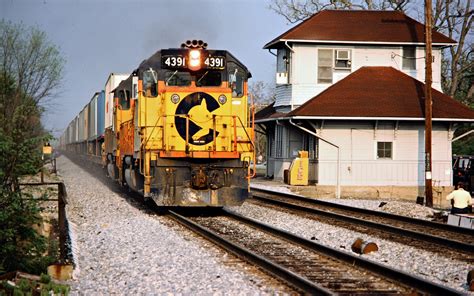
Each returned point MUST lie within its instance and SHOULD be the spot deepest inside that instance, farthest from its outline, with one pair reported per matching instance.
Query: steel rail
(440, 226)
(388, 228)
(398, 276)
(276, 270)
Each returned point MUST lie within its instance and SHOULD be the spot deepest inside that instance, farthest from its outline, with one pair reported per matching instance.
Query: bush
(22, 247)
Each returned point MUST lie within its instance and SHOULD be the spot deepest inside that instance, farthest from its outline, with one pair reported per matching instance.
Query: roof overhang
(269, 45)
(364, 118)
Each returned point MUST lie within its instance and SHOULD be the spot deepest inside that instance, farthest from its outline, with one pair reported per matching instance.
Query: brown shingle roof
(360, 26)
(380, 92)
(268, 112)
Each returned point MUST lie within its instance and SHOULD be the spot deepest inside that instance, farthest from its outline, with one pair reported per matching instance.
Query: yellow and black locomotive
(182, 132)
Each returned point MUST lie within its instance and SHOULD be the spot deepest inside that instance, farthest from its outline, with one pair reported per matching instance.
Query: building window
(283, 66)
(384, 149)
(409, 58)
(271, 142)
(279, 141)
(310, 145)
(281, 145)
(325, 61)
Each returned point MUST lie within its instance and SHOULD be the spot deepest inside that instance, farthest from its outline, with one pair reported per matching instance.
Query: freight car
(180, 128)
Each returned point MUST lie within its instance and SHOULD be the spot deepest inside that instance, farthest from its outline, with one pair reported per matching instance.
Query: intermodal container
(92, 118)
(112, 82)
(82, 125)
(100, 114)
(76, 129)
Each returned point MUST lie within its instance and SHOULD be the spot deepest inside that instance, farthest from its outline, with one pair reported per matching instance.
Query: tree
(453, 18)
(21, 134)
(263, 94)
(30, 73)
(297, 10)
(32, 61)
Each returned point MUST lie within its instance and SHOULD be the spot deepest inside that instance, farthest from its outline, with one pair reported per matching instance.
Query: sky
(98, 37)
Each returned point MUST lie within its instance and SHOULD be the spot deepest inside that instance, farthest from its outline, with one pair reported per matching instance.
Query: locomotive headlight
(222, 99)
(175, 98)
(195, 59)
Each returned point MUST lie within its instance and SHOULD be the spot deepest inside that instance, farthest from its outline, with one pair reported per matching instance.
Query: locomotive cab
(182, 124)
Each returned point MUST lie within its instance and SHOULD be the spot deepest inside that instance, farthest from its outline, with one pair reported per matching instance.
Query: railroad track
(459, 240)
(306, 265)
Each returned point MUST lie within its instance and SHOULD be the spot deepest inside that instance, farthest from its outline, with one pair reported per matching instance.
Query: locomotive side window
(150, 79)
(124, 99)
(236, 80)
(209, 78)
(177, 78)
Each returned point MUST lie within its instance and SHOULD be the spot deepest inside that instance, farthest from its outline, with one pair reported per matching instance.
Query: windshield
(178, 78)
(184, 78)
(209, 78)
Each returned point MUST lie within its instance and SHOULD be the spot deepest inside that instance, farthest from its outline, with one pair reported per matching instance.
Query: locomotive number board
(179, 59)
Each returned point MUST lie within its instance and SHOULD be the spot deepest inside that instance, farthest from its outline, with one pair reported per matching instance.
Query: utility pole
(428, 105)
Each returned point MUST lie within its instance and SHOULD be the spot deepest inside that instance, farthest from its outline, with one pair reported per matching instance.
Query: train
(178, 129)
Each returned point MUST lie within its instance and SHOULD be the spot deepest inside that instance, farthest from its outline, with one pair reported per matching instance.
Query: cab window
(177, 78)
(150, 79)
(236, 80)
(209, 78)
(124, 99)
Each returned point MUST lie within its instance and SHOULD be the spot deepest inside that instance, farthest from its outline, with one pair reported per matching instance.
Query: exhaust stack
(194, 44)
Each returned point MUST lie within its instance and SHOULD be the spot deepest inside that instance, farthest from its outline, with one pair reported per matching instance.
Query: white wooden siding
(359, 165)
(283, 95)
(304, 69)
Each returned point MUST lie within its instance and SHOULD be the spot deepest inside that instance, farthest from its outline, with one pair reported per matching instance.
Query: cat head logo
(199, 106)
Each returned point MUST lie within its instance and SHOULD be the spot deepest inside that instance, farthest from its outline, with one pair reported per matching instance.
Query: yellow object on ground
(299, 169)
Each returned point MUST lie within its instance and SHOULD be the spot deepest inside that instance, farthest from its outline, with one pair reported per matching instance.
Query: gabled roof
(359, 26)
(381, 92)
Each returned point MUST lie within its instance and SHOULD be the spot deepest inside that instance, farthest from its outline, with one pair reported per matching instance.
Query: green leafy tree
(30, 72)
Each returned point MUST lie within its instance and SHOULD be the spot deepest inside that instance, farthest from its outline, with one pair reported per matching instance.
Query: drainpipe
(338, 177)
(289, 65)
(270, 51)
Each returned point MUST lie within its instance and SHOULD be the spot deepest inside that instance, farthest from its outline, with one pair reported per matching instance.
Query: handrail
(186, 116)
(252, 110)
(147, 138)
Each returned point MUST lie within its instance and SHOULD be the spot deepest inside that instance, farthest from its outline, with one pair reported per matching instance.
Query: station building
(350, 92)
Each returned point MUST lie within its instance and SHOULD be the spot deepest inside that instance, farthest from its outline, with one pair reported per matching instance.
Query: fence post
(62, 195)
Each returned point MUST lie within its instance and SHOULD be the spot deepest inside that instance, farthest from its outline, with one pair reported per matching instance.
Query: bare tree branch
(33, 62)
(453, 18)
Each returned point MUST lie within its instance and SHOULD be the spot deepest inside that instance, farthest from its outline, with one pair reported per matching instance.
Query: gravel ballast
(121, 247)
(429, 265)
